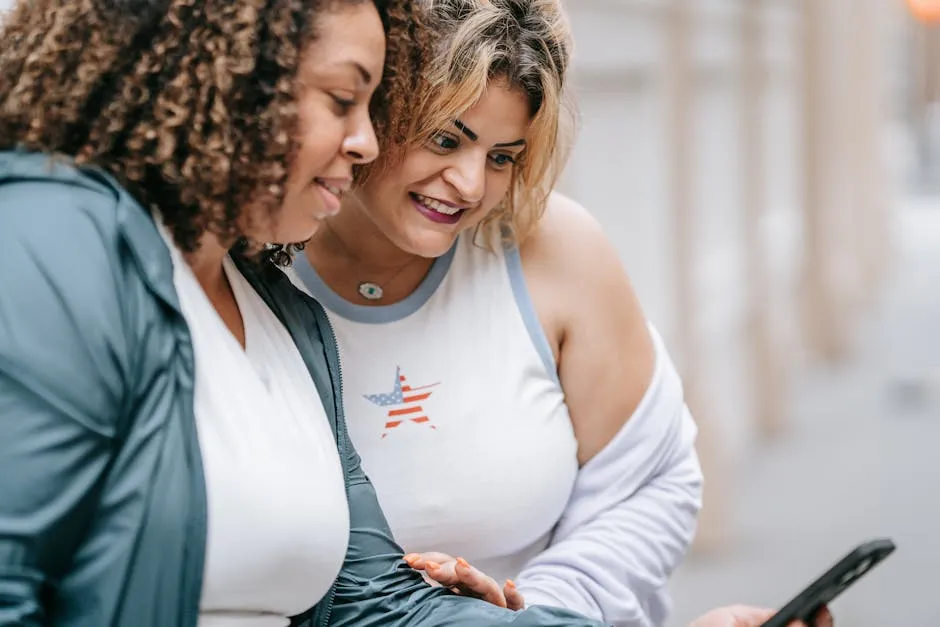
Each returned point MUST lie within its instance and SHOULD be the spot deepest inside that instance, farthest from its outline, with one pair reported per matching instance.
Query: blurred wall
(735, 151)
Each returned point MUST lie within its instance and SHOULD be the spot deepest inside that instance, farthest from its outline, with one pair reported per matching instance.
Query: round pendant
(371, 291)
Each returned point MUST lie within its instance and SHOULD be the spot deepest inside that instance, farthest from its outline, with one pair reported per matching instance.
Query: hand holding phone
(848, 570)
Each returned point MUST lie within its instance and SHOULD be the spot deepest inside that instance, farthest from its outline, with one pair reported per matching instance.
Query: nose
(467, 175)
(361, 145)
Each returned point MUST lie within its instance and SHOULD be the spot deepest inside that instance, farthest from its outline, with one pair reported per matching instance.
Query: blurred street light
(925, 10)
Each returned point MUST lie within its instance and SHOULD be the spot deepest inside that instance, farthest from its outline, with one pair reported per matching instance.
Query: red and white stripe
(410, 408)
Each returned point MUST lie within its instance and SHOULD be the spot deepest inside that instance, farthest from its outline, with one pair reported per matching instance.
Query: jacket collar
(135, 224)
(148, 249)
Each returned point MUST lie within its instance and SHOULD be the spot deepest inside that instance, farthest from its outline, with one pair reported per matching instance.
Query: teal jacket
(102, 494)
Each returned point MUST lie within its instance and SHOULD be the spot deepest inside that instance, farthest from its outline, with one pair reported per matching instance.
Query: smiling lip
(331, 190)
(436, 216)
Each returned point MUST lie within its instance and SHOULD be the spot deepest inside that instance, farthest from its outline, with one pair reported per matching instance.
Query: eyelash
(510, 161)
(343, 104)
(500, 161)
(439, 138)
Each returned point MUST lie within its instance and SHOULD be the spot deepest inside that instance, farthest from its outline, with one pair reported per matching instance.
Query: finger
(436, 556)
(444, 574)
(479, 584)
(415, 561)
(824, 618)
(746, 615)
(514, 599)
(418, 560)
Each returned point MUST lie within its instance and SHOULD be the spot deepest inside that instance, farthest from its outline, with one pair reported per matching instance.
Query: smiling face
(452, 182)
(337, 76)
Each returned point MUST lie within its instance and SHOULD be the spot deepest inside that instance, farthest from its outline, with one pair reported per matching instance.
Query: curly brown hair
(188, 103)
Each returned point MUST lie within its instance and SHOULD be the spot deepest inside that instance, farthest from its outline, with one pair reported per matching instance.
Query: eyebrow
(466, 131)
(463, 128)
(363, 72)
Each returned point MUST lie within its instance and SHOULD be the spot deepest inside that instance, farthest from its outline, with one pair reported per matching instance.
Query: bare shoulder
(570, 253)
(567, 235)
(593, 318)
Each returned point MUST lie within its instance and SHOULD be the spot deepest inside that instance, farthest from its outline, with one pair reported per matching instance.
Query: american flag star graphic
(403, 403)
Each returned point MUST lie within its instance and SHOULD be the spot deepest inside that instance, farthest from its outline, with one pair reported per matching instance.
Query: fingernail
(511, 583)
(463, 562)
(432, 565)
(410, 557)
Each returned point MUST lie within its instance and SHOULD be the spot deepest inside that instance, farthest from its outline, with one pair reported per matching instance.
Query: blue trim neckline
(378, 314)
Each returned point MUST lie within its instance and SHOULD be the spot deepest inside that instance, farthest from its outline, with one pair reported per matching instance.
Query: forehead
(347, 35)
(501, 115)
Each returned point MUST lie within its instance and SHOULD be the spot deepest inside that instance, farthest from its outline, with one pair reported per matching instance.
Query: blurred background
(769, 171)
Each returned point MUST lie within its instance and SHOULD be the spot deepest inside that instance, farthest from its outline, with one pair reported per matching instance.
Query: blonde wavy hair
(527, 44)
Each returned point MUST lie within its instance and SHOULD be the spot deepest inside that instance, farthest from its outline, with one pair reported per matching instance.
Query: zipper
(333, 361)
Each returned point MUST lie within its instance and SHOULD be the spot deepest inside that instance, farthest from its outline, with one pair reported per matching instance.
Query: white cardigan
(631, 518)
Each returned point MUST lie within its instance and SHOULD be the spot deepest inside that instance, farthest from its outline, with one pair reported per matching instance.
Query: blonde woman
(511, 402)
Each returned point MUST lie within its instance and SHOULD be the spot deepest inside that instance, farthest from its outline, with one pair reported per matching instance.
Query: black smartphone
(821, 592)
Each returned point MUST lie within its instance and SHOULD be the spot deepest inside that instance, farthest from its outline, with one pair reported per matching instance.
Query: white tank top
(278, 519)
(453, 401)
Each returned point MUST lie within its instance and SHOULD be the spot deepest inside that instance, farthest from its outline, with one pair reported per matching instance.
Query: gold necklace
(370, 290)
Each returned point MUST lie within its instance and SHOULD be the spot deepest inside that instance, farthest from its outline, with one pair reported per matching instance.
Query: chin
(431, 245)
(312, 230)
(298, 232)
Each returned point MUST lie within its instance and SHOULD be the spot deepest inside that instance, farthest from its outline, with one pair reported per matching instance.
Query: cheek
(497, 188)
(421, 166)
(372, 195)
(320, 139)
(386, 191)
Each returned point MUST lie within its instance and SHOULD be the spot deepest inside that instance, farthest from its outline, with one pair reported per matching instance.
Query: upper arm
(593, 319)
(61, 373)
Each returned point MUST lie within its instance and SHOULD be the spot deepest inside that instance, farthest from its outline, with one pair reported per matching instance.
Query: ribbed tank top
(453, 401)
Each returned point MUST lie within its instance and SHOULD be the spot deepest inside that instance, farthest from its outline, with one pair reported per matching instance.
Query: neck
(206, 264)
(361, 244)
(351, 249)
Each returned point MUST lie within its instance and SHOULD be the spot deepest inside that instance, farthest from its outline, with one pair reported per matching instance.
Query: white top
(278, 516)
(453, 402)
(484, 469)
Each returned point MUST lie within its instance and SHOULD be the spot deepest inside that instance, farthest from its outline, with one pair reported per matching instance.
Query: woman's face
(336, 78)
(452, 182)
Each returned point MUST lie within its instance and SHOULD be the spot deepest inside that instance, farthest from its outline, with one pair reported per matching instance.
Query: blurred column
(926, 68)
(930, 86)
(822, 161)
(713, 527)
(872, 195)
(845, 178)
(764, 357)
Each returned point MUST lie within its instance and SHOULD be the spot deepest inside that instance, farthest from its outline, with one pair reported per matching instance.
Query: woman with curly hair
(172, 445)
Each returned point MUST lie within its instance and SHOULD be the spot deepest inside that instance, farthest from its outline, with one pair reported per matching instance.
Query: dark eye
(344, 105)
(445, 141)
(502, 160)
